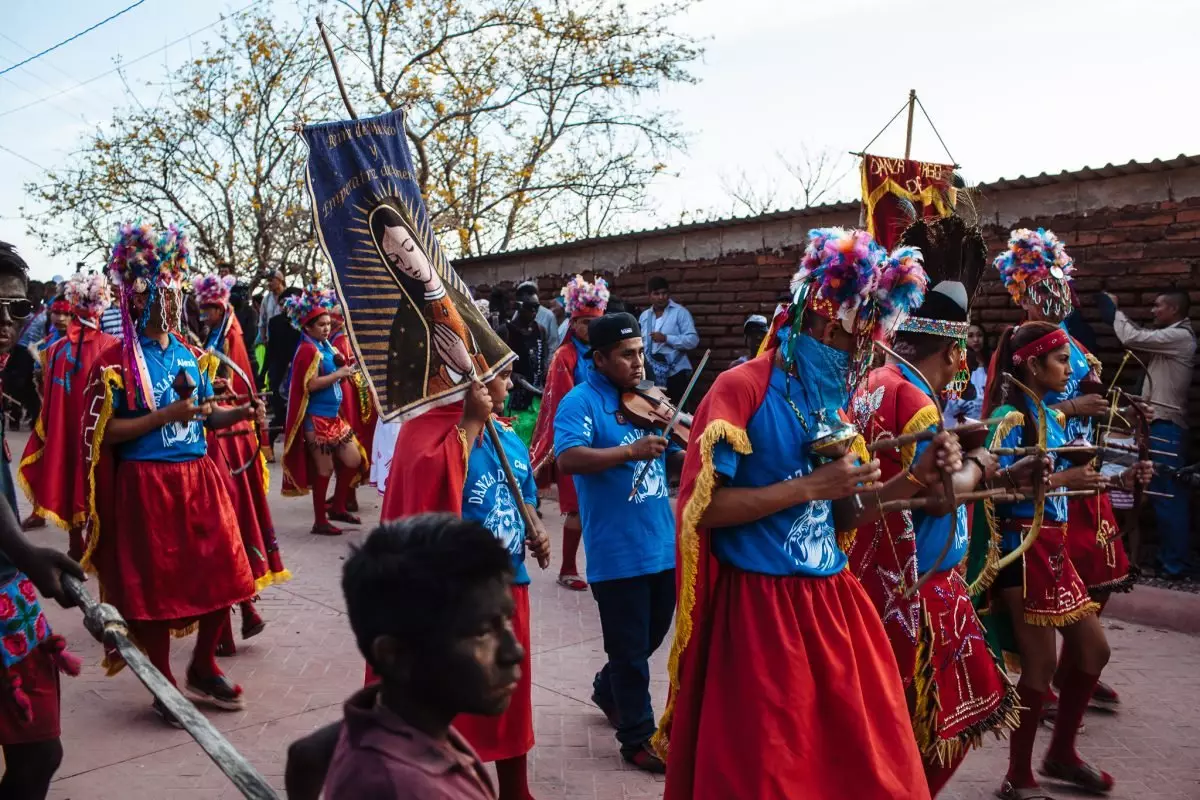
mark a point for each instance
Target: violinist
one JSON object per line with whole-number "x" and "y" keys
{"x": 629, "y": 540}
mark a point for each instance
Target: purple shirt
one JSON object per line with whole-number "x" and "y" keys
{"x": 379, "y": 756}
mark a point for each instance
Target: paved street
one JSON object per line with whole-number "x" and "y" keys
{"x": 298, "y": 671}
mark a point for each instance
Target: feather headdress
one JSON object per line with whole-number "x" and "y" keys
{"x": 1037, "y": 268}
{"x": 584, "y": 299}
{"x": 88, "y": 295}
{"x": 955, "y": 257}
{"x": 213, "y": 290}
{"x": 303, "y": 308}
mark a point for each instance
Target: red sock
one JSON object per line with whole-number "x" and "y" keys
{"x": 226, "y": 640}
{"x": 155, "y": 640}
{"x": 204, "y": 657}
{"x": 938, "y": 775}
{"x": 341, "y": 490}
{"x": 571, "y": 537}
{"x": 1073, "y": 699}
{"x": 320, "y": 485}
{"x": 1020, "y": 742}
{"x": 513, "y": 776}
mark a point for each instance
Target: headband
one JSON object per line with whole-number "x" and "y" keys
{"x": 934, "y": 327}
{"x": 1051, "y": 341}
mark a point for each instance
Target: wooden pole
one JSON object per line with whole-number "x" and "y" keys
{"x": 337, "y": 74}
{"x": 912, "y": 106}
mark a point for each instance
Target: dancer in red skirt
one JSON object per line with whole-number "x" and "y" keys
{"x": 1041, "y": 285}
{"x": 783, "y": 683}
{"x": 568, "y": 368}
{"x": 317, "y": 439}
{"x": 51, "y": 472}
{"x": 239, "y": 453}
{"x": 1042, "y": 592}
{"x": 956, "y": 688}
{"x": 60, "y": 316}
{"x": 162, "y": 530}
{"x": 358, "y": 407}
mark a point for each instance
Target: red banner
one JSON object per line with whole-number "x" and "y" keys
{"x": 896, "y": 191}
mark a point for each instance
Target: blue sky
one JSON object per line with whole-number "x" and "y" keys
{"x": 1015, "y": 87}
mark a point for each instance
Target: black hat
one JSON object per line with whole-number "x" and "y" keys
{"x": 605, "y": 331}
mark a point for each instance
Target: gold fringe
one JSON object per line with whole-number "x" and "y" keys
{"x": 923, "y": 420}
{"x": 1012, "y": 419}
{"x": 464, "y": 444}
{"x": 271, "y": 579}
{"x": 1005, "y": 718}
{"x": 290, "y": 436}
{"x": 264, "y": 470}
{"x": 689, "y": 557}
{"x": 111, "y": 378}
{"x": 1062, "y": 620}
{"x": 845, "y": 539}
{"x": 928, "y": 705}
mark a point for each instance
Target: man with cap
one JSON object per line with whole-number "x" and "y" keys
{"x": 669, "y": 332}
{"x": 782, "y": 680}
{"x": 569, "y": 366}
{"x": 956, "y": 689}
{"x": 754, "y": 331}
{"x": 627, "y": 528}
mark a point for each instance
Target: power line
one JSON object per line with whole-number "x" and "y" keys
{"x": 71, "y": 39}
{"x": 94, "y": 78}
{"x": 23, "y": 158}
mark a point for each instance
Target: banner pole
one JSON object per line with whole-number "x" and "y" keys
{"x": 337, "y": 74}
{"x": 912, "y": 106}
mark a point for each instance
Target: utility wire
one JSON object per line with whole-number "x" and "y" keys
{"x": 127, "y": 63}
{"x": 71, "y": 39}
{"x": 23, "y": 158}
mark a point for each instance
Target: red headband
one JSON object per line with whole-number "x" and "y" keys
{"x": 1051, "y": 341}
{"x": 60, "y": 307}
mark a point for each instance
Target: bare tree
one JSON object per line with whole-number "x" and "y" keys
{"x": 808, "y": 179}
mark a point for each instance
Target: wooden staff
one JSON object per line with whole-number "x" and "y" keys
{"x": 337, "y": 73}
{"x": 896, "y": 442}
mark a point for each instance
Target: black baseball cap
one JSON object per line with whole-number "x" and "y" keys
{"x": 605, "y": 331}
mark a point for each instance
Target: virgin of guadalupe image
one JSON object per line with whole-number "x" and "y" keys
{"x": 447, "y": 353}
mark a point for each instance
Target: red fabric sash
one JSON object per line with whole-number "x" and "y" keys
{"x": 52, "y": 469}
{"x": 559, "y": 381}
{"x": 430, "y": 468}
{"x": 305, "y": 365}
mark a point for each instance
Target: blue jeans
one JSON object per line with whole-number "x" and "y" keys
{"x": 635, "y": 615}
{"x": 1171, "y": 514}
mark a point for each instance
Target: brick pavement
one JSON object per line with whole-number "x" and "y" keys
{"x": 298, "y": 671}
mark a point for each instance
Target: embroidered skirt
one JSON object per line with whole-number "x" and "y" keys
{"x": 1095, "y": 545}
{"x": 802, "y": 696}
{"x": 510, "y": 734}
{"x": 170, "y": 549}
{"x": 1055, "y": 595}
{"x": 329, "y": 433}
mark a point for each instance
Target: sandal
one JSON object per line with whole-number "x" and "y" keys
{"x": 1009, "y": 792}
{"x": 572, "y": 582}
{"x": 1083, "y": 775}
{"x": 344, "y": 516}
{"x": 325, "y": 529}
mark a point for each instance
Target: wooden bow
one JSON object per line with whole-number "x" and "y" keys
{"x": 252, "y": 431}
{"x": 1039, "y": 485}
{"x": 947, "y": 477}
{"x": 1139, "y": 425}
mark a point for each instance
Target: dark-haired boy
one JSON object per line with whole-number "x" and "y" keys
{"x": 429, "y": 602}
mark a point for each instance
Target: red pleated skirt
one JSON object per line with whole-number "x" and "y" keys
{"x": 169, "y": 548}
{"x": 249, "y": 498}
{"x": 1055, "y": 595}
{"x": 510, "y": 734}
{"x": 802, "y": 696}
{"x": 1094, "y": 543}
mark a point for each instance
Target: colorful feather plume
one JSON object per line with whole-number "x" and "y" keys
{"x": 584, "y": 298}
{"x": 213, "y": 290}
{"x": 1033, "y": 258}
{"x": 902, "y": 285}
{"x": 952, "y": 251}
{"x": 87, "y": 295}
{"x": 308, "y": 305}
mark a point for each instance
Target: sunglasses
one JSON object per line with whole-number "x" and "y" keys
{"x": 17, "y": 307}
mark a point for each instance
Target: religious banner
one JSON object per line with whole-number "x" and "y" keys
{"x": 897, "y": 191}
{"x": 409, "y": 316}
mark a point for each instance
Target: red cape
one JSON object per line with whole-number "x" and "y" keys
{"x": 431, "y": 468}
{"x": 305, "y": 367}
{"x": 52, "y": 468}
{"x": 722, "y": 416}
{"x": 559, "y": 380}
{"x": 358, "y": 409}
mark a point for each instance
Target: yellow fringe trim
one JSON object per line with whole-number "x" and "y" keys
{"x": 1062, "y": 620}
{"x": 689, "y": 556}
{"x": 463, "y": 444}
{"x": 1012, "y": 419}
{"x": 923, "y": 420}
{"x": 264, "y": 470}
{"x": 111, "y": 377}
{"x": 271, "y": 579}
{"x": 928, "y": 705}
{"x": 845, "y": 539}
{"x": 1095, "y": 364}
{"x": 299, "y": 491}
{"x": 208, "y": 364}
{"x": 26, "y": 488}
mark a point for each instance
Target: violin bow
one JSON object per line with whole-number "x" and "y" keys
{"x": 253, "y": 429}
{"x": 947, "y": 478}
{"x": 644, "y": 468}
{"x": 1039, "y": 485}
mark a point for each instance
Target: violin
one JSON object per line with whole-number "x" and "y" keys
{"x": 648, "y": 407}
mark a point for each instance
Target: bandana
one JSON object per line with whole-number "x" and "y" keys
{"x": 1038, "y": 347}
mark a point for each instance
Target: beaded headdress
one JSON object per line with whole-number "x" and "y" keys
{"x": 303, "y": 308}
{"x": 584, "y": 299}
{"x": 1036, "y": 268}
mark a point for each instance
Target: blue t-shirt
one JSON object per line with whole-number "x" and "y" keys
{"x": 1056, "y": 507}
{"x": 1080, "y": 369}
{"x": 622, "y": 538}
{"x": 175, "y": 441}
{"x": 328, "y": 401}
{"x": 488, "y": 500}
{"x": 583, "y": 363}
{"x": 800, "y": 540}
